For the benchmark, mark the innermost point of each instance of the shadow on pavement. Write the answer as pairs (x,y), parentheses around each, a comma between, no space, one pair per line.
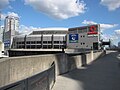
(101,74)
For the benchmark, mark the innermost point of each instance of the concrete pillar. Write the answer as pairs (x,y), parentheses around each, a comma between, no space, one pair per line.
(92,57)
(61,64)
(1,48)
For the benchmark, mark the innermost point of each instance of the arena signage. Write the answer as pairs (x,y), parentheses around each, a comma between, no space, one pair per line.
(92,30)
(73,38)
(7,43)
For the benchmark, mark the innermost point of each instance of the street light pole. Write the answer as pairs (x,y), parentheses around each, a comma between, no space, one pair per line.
(0,22)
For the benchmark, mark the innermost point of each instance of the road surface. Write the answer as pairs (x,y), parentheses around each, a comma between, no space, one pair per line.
(102,74)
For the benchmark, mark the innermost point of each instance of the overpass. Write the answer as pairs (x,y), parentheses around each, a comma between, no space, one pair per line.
(39,73)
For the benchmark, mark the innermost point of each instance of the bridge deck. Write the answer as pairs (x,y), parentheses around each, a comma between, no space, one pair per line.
(102,74)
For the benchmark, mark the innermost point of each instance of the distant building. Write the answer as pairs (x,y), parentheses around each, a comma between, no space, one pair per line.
(11,26)
(11,23)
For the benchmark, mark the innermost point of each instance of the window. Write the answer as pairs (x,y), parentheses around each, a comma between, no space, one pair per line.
(28,46)
(20,46)
(32,42)
(49,46)
(18,43)
(82,30)
(28,42)
(22,43)
(62,46)
(61,42)
(64,42)
(73,30)
(44,42)
(44,46)
(56,46)
(38,42)
(91,47)
(49,41)
(38,46)
(56,42)
(32,46)
(79,31)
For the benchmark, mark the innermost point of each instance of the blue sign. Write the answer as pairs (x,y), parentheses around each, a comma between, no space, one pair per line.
(7,43)
(73,38)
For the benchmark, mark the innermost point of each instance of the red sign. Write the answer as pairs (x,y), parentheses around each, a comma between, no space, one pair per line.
(92,30)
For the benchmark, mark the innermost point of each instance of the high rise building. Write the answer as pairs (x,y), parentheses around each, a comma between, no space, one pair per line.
(11,25)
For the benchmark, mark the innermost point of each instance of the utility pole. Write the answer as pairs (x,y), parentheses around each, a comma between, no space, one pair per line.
(0,19)
(0,23)
(1,28)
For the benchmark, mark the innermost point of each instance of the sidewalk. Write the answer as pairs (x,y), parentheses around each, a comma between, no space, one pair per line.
(102,74)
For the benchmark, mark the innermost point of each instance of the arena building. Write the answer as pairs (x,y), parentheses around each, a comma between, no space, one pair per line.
(47,38)
(54,40)
(86,37)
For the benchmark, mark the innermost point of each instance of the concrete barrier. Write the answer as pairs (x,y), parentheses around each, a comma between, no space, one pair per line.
(20,85)
(68,62)
(74,62)
(17,68)
(61,63)
(41,81)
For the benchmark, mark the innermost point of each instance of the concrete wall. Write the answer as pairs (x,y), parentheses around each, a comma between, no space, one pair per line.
(67,62)
(74,62)
(17,68)
(61,63)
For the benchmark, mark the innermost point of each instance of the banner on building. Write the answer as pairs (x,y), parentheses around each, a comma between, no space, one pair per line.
(73,38)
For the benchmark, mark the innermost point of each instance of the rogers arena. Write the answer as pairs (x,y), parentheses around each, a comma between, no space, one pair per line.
(86,37)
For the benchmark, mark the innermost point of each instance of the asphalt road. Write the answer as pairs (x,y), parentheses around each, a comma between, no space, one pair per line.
(102,74)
